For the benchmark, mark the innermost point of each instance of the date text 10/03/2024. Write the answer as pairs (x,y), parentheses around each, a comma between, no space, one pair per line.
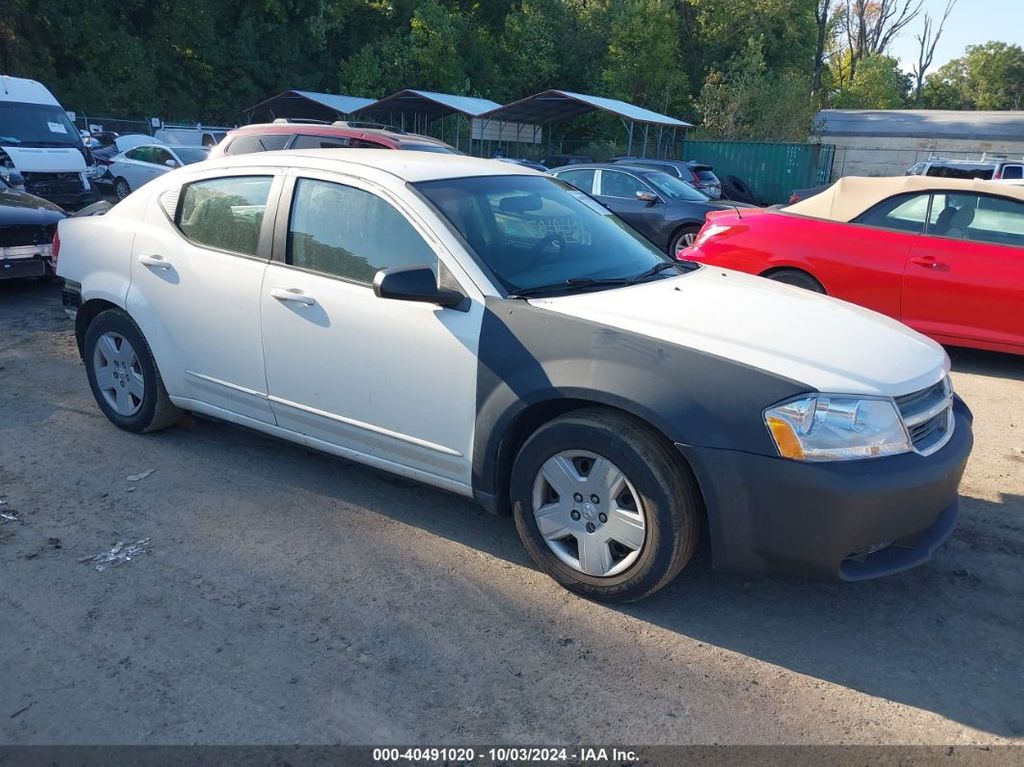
(505,754)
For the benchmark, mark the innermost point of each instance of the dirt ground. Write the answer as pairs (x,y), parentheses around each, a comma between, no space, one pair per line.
(288,597)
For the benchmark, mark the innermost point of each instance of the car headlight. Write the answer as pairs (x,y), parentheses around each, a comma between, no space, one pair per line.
(825,427)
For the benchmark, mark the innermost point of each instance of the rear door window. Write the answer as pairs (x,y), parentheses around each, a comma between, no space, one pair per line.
(581,179)
(321,142)
(903,213)
(225,213)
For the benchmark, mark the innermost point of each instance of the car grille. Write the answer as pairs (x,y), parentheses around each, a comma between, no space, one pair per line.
(49,184)
(928,416)
(11,236)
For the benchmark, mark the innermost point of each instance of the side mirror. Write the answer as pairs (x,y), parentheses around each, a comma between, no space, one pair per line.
(414,283)
(649,197)
(170,163)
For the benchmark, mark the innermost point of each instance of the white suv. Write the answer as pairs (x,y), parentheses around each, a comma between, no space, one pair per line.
(492,331)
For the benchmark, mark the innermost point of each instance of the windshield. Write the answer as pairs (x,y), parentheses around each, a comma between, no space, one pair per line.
(36,125)
(190,154)
(536,231)
(429,148)
(673,188)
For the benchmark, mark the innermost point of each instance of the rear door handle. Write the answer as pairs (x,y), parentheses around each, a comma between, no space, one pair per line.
(927,261)
(155,262)
(293,295)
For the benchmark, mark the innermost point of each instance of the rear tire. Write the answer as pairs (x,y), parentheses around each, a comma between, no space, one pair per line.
(683,239)
(638,536)
(123,375)
(798,279)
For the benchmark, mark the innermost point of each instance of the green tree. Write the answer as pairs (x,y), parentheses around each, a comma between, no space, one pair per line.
(989,76)
(878,83)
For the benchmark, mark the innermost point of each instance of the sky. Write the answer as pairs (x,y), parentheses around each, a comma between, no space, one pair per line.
(970,23)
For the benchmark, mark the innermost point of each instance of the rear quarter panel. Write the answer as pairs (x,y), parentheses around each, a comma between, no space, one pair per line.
(95,251)
(860,264)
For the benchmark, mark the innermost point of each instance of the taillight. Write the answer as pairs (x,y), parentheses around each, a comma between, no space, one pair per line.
(56,249)
(998,174)
(794,198)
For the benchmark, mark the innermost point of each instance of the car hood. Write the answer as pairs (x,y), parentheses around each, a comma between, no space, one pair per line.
(46,159)
(19,208)
(826,344)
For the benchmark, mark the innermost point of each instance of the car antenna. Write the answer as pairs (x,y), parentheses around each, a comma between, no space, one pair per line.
(735,208)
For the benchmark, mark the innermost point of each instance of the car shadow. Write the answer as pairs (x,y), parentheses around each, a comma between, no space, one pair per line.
(922,638)
(991,364)
(945,637)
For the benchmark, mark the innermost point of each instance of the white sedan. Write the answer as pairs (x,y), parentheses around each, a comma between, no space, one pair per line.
(141,164)
(492,331)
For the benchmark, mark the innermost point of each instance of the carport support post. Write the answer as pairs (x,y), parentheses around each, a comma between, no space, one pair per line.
(629,133)
(647,127)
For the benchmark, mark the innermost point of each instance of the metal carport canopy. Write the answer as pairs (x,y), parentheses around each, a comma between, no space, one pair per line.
(309,104)
(554,106)
(430,103)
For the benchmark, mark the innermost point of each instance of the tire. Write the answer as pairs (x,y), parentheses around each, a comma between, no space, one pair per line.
(798,279)
(735,188)
(121,188)
(124,379)
(682,239)
(656,489)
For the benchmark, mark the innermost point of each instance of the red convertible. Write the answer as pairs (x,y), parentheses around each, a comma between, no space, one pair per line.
(944,256)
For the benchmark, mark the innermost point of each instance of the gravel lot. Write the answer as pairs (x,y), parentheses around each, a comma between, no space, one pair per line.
(289,597)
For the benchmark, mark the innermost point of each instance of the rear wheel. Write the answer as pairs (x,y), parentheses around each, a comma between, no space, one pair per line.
(798,279)
(683,239)
(123,375)
(121,189)
(604,506)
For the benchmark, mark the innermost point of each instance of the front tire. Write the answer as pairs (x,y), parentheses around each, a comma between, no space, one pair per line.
(798,279)
(121,189)
(123,375)
(604,506)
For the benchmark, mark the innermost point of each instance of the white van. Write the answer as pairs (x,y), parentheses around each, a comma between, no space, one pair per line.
(39,143)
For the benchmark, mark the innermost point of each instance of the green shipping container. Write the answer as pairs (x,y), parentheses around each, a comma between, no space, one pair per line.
(771,170)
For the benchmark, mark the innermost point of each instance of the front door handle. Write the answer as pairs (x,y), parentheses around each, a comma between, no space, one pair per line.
(926,261)
(293,295)
(155,262)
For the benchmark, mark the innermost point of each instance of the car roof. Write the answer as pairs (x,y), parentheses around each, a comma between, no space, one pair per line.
(411,166)
(639,169)
(337,131)
(849,197)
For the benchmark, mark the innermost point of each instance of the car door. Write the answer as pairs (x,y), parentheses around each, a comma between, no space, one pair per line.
(386,382)
(617,191)
(964,279)
(866,260)
(135,167)
(197,274)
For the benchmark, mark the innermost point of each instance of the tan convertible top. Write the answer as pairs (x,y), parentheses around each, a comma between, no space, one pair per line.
(849,197)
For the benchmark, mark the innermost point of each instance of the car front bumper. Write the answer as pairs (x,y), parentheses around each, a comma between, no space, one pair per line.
(850,520)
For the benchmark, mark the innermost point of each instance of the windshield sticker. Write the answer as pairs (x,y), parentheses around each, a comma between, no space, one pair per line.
(57,128)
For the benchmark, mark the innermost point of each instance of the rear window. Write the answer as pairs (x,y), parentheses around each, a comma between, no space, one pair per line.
(250,144)
(707,175)
(1013,171)
(960,171)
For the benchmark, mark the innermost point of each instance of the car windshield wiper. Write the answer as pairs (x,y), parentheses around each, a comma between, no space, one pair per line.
(573,283)
(596,282)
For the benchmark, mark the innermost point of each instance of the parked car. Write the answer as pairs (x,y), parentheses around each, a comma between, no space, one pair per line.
(661,207)
(184,136)
(699,175)
(40,144)
(27,226)
(995,169)
(558,160)
(106,154)
(525,163)
(945,256)
(130,170)
(489,330)
(267,137)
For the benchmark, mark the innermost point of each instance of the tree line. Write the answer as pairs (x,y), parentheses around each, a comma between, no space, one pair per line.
(739,68)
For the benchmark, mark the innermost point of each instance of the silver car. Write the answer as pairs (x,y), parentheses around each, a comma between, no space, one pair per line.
(136,167)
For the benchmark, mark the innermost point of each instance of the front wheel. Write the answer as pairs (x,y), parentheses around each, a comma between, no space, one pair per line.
(121,189)
(604,506)
(123,375)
